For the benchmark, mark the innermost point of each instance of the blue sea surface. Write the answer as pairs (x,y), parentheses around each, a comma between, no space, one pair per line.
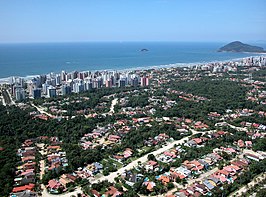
(43,58)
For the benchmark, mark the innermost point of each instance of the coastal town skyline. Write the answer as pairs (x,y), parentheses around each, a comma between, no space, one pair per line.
(152,20)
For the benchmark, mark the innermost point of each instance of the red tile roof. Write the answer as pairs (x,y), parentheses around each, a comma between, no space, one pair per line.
(197,140)
(164,179)
(53,184)
(112,191)
(152,163)
(95,193)
(240,143)
(23,188)
(224,172)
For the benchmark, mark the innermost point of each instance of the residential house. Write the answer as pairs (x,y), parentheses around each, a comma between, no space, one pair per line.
(25,178)
(240,143)
(98,167)
(214,181)
(184,171)
(28,159)
(113,192)
(191,143)
(162,137)
(239,164)
(201,188)
(114,138)
(131,178)
(152,166)
(248,144)
(252,157)
(149,185)
(165,158)
(28,143)
(164,179)
(176,175)
(194,166)
(204,163)
(95,193)
(53,149)
(208,185)
(29,187)
(25,193)
(65,179)
(128,153)
(198,141)
(54,186)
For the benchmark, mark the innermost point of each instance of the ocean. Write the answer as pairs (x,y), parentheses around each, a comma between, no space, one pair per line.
(33,59)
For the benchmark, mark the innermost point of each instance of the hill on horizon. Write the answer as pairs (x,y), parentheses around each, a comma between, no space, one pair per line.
(238,46)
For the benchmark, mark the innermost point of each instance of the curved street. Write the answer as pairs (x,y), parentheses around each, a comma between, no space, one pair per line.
(142,159)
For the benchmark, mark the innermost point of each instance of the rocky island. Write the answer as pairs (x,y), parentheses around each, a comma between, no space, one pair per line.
(144,50)
(238,46)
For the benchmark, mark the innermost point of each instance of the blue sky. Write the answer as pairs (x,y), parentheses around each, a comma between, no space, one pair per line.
(132,20)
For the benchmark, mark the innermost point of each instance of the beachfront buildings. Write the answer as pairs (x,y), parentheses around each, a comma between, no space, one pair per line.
(19,94)
(65,83)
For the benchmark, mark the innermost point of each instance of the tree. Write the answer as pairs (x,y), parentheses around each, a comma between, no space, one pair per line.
(106,172)
(119,187)
(184,182)
(260,144)
(130,193)
(151,157)
(177,180)
(170,186)
(261,193)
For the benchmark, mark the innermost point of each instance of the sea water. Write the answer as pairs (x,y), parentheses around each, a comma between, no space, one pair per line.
(43,58)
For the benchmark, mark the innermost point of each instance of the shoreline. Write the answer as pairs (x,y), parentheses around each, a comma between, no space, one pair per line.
(143,68)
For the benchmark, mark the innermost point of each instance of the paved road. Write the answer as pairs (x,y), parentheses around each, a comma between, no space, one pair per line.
(142,159)
(7,99)
(42,166)
(11,99)
(42,162)
(3,100)
(114,102)
(237,128)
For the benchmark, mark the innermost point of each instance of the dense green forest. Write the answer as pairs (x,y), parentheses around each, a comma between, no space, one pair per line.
(222,95)
(260,75)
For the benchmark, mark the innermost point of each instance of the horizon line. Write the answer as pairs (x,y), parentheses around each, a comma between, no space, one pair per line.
(128,41)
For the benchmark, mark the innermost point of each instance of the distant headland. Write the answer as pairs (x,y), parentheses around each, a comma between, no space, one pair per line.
(238,46)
